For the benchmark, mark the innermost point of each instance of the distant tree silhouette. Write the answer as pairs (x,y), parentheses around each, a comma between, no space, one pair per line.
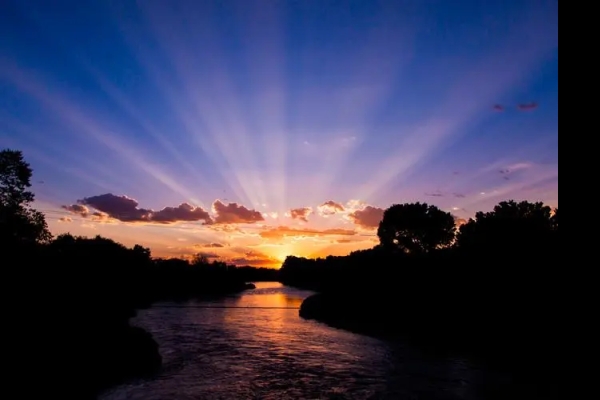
(511,226)
(416,228)
(199,259)
(19,223)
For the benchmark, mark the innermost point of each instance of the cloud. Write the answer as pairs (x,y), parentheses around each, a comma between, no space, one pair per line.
(100,216)
(183,212)
(226,228)
(301,213)
(125,209)
(210,245)
(209,255)
(329,208)
(85,212)
(356,204)
(343,241)
(284,231)
(368,217)
(254,254)
(273,215)
(255,258)
(527,106)
(518,166)
(65,219)
(77,209)
(122,208)
(233,213)
(255,262)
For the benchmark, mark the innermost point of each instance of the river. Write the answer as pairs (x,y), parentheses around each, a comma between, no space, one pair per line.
(271,353)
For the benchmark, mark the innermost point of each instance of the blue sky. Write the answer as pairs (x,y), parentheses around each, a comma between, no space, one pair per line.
(274,106)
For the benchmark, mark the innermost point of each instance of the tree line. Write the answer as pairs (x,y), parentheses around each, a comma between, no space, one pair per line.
(71,298)
(489,290)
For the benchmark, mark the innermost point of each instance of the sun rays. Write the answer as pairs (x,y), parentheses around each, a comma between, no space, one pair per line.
(270,112)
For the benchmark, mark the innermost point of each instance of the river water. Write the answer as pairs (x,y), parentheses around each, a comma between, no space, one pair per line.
(271,353)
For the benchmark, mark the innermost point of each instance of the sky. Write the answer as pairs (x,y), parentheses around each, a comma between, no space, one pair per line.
(252,130)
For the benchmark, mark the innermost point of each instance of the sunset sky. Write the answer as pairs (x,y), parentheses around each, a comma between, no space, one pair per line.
(250,130)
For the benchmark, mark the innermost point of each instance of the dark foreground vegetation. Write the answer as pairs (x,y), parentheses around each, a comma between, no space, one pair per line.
(69,299)
(488,291)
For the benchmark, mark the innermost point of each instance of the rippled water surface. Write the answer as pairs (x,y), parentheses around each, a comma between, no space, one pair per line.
(271,353)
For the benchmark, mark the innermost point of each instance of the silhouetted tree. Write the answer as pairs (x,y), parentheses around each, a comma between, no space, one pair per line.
(511,226)
(200,259)
(19,223)
(416,228)
(142,252)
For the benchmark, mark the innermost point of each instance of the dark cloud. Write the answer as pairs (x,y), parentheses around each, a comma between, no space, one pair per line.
(210,245)
(209,255)
(234,213)
(284,231)
(369,217)
(435,194)
(65,219)
(122,208)
(527,106)
(498,107)
(301,213)
(459,195)
(330,207)
(77,209)
(125,209)
(183,212)
(85,212)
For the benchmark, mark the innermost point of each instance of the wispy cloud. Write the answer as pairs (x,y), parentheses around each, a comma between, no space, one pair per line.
(284,231)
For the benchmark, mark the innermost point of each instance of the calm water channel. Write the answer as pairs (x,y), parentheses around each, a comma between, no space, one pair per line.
(262,353)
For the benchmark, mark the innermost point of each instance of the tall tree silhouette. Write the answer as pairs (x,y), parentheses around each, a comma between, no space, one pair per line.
(416,228)
(19,222)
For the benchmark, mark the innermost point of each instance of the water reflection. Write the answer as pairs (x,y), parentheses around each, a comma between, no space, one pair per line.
(270,294)
(238,353)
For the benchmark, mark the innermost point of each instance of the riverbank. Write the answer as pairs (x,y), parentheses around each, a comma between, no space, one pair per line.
(71,325)
(85,344)
(512,345)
